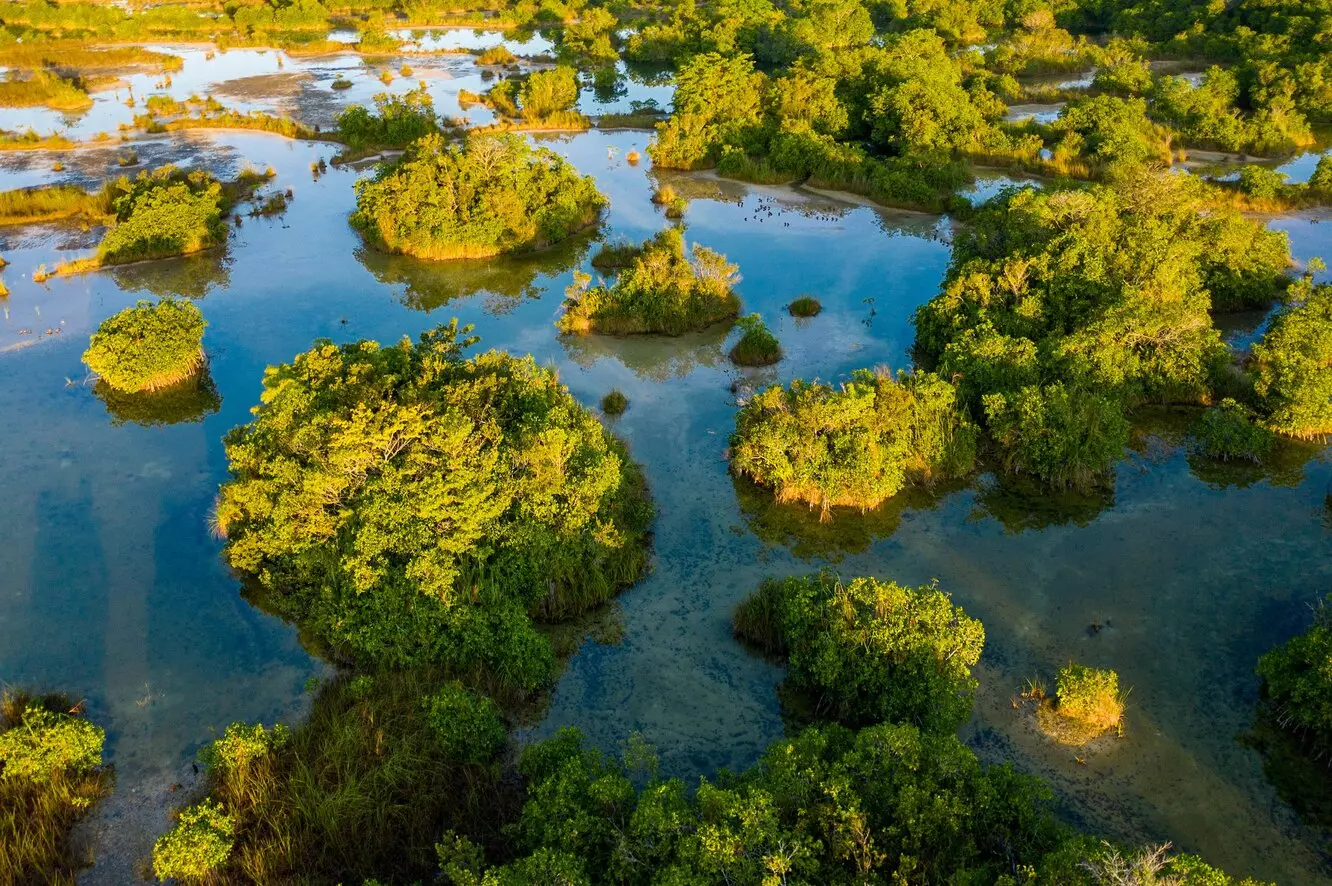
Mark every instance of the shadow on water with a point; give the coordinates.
(190, 277)
(429, 286)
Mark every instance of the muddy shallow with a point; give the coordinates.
(114, 588)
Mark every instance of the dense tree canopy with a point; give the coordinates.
(1294, 364)
(404, 504)
(491, 194)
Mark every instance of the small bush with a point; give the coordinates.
(149, 346)
(468, 725)
(497, 56)
(198, 846)
(1227, 432)
(757, 345)
(805, 306)
(1087, 703)
(677, 208)
(665, 195)
(342, 83)
(1067, 438)
(1292, 363)
(51, 774)
(615, 402)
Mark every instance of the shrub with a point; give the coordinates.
(342, 83)
(1087, 703)
(496, 55)
(197, 847)
(1227, 431)
(1297, 681)
(241, 762)
(490, 195)
(149, 346)
(757, 345)
(404, 504)
(164, 213)
(468, 725)
(805, 306)
(663, 290)
(615, 402)
(546, 93)
(398, 121)
(869, 651)
(1292, 363)
(857, 445)
(51, 774)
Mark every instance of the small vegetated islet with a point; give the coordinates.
(805, 306)
(757, 346)
(148, 347)
(490, 195)
(664, 289)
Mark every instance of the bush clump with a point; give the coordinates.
(857, 445)
(1087, 703)
(468, 725)
(496, 56)
(197, 847)
(1297, 682)
(148, 347)
(406, 505)
(869, 651)
(164, 213)
(805, 306)
(397, 121)
(757, 345)
(615, 402)
(1227, 432)
(664, 290)
(1066, 437)
(51, 774)
(490, 195)
(1293, 363)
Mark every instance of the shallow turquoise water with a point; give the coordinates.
(114, 589)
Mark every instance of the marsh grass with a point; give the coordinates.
(757, 345)
(615, 402)
(43, 87)
(805, 306)
(757, 620)
(43, 204)
(364, 787)
(51, 775)
(1087, 703)
(614, 256)
(30, 140)
(496, 56)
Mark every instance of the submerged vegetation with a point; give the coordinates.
(857, 445)
(51, 775)
(661, 289)
(440, 504)
(148, 347)
(490, 195)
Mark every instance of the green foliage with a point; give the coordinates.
(496, 56)
(664, 289)
(757, 345)
(857, 445)
(1109, 130)
(490, 195)
(1227, 431)
(890, 803)
(545, 94)
(149, 346)
(51, 774)
(468, 725)
(404, 504)
(1089, 695)
(1297, 680)
(1065, 436)
(23, 206)
(615, 402)
(1320, 182)
(716, 97)
(398, 121)
(869, 651)
(164, 213)
(805, 306)
(197, 847)
(1292, 364)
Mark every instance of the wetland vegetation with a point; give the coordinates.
(1048, 393)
